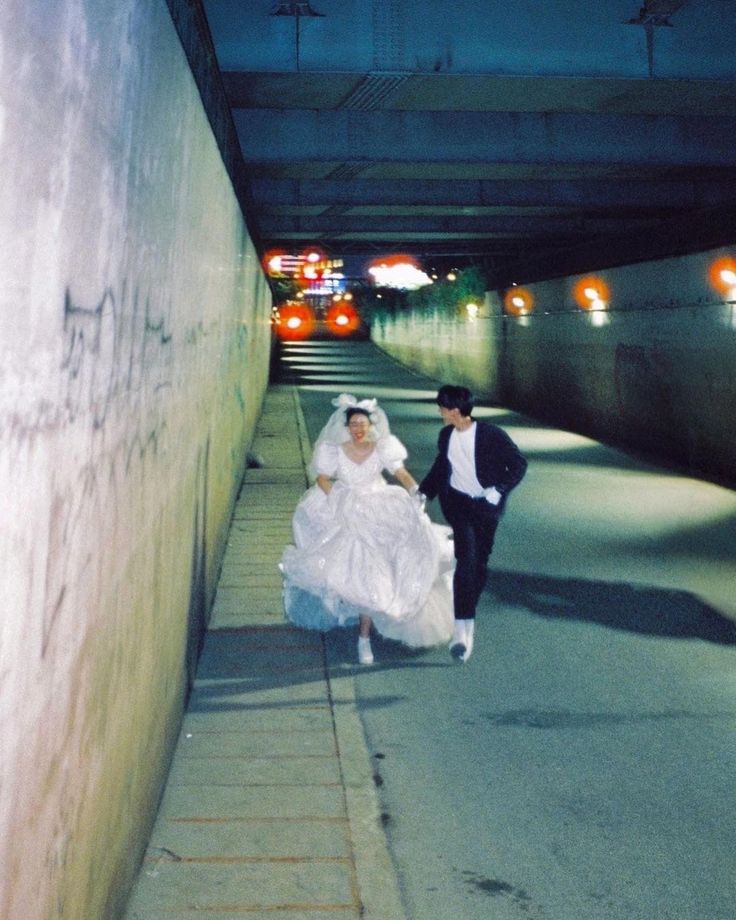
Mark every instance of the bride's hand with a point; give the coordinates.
(325, 483)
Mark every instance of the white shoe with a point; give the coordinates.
(469, 636)
(365, 653)
(458, 643)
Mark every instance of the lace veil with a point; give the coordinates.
(336, 429)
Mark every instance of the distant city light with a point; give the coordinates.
(274, 261)
(399, 270)
(294, 320)
(403, 275)
(342, 318)
(329, 285)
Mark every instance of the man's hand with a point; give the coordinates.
(492, 495)
(419, 498)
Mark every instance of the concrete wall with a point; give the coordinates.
(134, 351)
(655, 371)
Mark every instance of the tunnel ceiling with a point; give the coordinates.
(515, 134)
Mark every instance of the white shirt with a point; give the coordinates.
(461, 454)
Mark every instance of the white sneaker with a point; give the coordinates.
(365, 653)
(458, 643)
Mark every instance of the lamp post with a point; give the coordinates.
(296, 9)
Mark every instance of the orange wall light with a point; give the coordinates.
(591, 293)
(518, 301)
(722, 276)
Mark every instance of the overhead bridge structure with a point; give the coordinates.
(523, 137)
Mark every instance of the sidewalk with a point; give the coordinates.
(270, 808)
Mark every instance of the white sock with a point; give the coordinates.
(458, 632)
(469, 634)
(365, 652)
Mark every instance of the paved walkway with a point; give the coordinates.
(270, 808)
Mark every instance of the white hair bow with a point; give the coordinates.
(347, 401)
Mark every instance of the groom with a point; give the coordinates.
(476, 467)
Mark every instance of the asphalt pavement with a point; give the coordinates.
(581, 765)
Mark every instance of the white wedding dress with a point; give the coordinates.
(368, 547)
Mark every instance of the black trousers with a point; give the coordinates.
(474, 522)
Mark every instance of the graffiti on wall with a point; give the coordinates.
(116, 361)
(117, 345)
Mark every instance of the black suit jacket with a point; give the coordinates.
(498, 463)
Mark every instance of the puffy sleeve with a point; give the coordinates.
(391, 453)
(325, 459)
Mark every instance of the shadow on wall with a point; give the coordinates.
(633, 608)
(198, 610)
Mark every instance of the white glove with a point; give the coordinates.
(419, 498)
(492, 495)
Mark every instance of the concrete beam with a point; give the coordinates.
(531, 38)
(581, 193)
(283, 225)
(479, 92)
(274, 136)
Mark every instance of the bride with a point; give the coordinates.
(365, 551)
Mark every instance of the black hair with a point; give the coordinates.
(356, 410)
(454, 397)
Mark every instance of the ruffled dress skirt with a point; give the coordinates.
(369, 550)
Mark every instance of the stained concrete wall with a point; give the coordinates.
(656, 371)
(134, 351)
